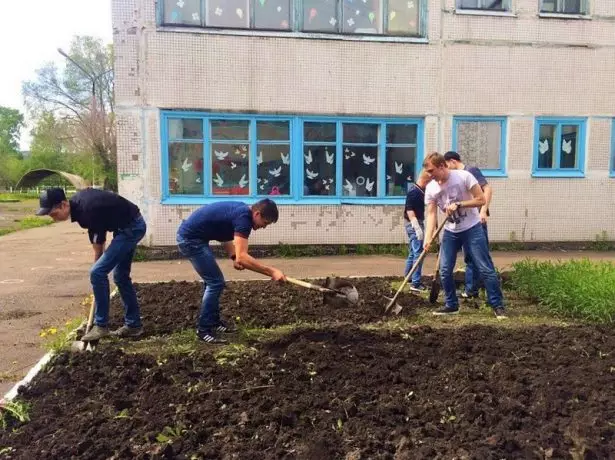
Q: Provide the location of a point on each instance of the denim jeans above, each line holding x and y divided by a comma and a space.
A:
415, 248
474, 243
118, 257
202, 259
472, 276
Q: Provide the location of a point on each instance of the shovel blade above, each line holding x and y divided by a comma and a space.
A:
397, 308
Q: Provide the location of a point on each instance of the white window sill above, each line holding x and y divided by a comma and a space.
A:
506, 14
564, 16
309, 35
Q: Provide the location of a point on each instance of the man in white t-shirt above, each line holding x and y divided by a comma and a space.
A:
458, 194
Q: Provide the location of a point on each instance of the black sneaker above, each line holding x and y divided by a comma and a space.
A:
500, 313
446, 311
225, 328
209, 337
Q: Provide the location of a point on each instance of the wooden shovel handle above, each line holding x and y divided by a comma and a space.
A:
305, 284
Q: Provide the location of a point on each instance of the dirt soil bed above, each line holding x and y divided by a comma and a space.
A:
327, 390
167, 307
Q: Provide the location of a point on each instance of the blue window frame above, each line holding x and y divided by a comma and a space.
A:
612, 156
559, 147
481, 142
305, 160
346, 17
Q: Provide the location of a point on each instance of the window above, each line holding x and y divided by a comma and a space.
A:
612, 161
564, 6
488, 5
297, 159
481, 142
559, 149
371, 17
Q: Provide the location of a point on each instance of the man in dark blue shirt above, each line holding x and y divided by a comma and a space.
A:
414, 215
230, 223
472, 276
100, 212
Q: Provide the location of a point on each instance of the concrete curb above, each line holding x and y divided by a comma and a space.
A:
34, 370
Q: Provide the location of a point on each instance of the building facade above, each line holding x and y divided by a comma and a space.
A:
329, 106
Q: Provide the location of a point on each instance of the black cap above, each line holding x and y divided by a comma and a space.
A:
451, 155
49, 199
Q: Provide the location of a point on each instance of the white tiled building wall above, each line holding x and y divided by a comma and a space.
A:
518, 65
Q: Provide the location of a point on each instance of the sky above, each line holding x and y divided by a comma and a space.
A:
31, 33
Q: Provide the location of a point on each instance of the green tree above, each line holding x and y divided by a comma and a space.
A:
87, 115
11, 123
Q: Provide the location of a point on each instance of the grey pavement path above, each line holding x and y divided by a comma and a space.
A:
44, 278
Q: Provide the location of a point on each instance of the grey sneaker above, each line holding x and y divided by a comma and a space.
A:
446, 311
418, 289
127, 331
96, 333
500, 313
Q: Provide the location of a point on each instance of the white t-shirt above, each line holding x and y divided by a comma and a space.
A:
456, 188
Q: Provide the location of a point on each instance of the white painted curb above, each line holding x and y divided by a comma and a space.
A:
28, 378
12, 393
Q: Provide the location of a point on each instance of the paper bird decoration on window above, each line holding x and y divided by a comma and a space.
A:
567, 146
285, 158
399, 167
259, 158
220, 155
276, 172
348, 186
218, 180
311, 174
368, 160
186, 165
543, 146
308, 157
369, 185
233, 165
329, 157
243, 182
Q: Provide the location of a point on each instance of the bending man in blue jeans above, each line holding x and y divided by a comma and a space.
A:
457, 193
414, 216
100, 212
230, 223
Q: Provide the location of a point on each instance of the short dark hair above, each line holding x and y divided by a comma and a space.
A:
268, 209
452, 155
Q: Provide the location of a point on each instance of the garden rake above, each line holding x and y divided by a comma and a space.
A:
392, 302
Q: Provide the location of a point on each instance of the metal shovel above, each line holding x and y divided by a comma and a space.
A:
398, 307
80, 345
350, 294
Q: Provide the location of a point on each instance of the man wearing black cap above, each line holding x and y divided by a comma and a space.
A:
100, 212
472, 275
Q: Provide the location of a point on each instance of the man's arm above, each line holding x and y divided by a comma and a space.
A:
99, 249
415, 224
488, 192
247, 261
431, 218
229, 247
97, 238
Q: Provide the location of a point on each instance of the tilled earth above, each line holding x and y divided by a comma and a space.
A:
329, 390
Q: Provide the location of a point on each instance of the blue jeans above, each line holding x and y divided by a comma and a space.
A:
474, 243
118, 257
415, 248
472, 276
202, 259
